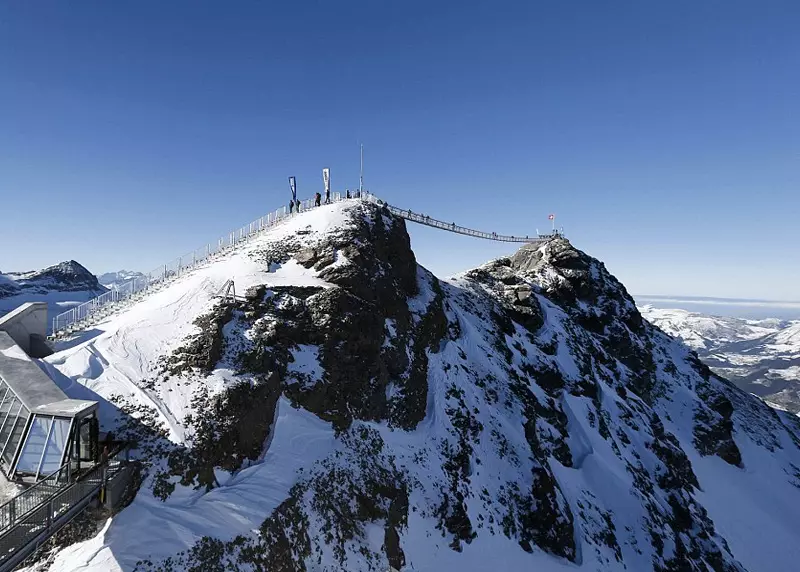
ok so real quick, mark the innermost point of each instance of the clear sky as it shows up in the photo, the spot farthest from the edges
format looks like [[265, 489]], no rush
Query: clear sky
[[664, 135]]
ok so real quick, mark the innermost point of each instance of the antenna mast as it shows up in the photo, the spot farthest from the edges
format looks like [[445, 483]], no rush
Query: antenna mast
[[361, 178]]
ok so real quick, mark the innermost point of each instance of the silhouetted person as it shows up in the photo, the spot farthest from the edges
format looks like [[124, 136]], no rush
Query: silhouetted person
[[317, 199], [297, 205], [347, 194], [291, 207], [327, 197]]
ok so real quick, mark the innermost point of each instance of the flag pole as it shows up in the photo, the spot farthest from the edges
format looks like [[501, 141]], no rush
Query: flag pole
[[361, 177]]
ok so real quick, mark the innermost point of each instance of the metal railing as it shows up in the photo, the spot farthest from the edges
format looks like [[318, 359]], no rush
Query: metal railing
[[79, 316], [30, 498], [37, 513]]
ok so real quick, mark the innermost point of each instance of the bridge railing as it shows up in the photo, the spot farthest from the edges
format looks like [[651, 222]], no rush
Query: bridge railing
[[78, 316], [453, 227]]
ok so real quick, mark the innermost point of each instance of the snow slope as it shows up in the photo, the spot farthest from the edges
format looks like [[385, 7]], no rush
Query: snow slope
[[519, 416]]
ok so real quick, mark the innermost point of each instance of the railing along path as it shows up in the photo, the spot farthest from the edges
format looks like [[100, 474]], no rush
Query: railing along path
[[30, 518], [81, 317]]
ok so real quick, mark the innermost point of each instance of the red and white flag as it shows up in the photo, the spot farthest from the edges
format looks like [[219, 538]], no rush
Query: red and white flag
[[551, 217]]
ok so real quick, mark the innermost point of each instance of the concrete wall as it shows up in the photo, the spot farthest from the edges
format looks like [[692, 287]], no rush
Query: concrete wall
[[28, 320]]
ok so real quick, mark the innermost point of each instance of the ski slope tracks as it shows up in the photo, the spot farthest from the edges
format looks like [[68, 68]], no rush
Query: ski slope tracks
[[351, 411]]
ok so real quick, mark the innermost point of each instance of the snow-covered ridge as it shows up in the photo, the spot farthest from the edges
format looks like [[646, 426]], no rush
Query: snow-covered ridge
[[353, 412]]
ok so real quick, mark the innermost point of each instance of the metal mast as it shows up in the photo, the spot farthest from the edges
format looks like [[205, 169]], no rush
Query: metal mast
[[361, 178]]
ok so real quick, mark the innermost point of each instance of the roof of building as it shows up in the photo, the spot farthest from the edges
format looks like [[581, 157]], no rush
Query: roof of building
[[37, 392]]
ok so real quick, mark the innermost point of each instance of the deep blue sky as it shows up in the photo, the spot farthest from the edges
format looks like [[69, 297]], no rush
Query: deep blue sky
[[664, 135]]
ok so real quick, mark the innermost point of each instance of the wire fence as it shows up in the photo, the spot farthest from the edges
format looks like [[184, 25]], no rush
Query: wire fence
[[78, 317]]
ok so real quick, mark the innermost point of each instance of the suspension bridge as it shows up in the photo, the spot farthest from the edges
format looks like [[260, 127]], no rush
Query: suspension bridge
[[89, 313]]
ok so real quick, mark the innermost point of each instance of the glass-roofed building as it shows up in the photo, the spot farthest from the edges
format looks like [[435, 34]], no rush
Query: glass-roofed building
[[41, 429]]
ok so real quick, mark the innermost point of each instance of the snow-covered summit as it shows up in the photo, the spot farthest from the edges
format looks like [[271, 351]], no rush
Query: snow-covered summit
[[351, 411], [62, 286]]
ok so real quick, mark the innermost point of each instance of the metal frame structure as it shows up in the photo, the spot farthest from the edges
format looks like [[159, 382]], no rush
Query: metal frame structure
[[39, 424], [33, 516]]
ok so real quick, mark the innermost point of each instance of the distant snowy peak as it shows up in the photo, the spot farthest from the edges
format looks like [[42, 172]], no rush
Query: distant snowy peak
[[112, 279], [69, 276], [62, 286]]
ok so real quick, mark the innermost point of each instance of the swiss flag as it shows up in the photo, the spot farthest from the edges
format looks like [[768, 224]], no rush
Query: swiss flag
[[551, 217]]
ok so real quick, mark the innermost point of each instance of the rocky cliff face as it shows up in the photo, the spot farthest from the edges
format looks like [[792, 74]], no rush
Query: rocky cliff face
[[520, 415]]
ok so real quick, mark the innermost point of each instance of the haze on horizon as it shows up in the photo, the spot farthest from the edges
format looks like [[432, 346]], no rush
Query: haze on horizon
[[665, 137]]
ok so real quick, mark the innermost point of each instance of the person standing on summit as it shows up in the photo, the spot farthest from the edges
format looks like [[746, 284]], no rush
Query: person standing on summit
[[317, 199]]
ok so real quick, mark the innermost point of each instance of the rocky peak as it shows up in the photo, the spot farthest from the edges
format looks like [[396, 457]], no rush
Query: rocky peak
[[68, 276], [65, 276], [521, 408]]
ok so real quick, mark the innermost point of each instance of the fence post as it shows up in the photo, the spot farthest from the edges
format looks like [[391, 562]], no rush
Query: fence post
[[165, 272], [49, 513]]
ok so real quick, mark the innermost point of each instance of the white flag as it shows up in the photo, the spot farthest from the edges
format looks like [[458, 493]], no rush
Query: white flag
[[326, 177]]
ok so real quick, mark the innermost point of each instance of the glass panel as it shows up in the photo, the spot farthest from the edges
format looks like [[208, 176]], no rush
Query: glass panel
[[56, 446], [19, 418], [31, 454], [8, 420], [85, 442], [6, 392]]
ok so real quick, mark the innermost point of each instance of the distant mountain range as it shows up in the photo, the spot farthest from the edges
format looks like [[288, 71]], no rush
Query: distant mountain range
[[112, 279], [760, 356]]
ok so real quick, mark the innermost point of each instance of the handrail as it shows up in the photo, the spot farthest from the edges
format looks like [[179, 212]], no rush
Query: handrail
[[453, 227], [10, 507], [66, 321], [25, 530]]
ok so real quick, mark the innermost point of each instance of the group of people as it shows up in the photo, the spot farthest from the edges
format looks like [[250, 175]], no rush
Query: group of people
[[294, 204]]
